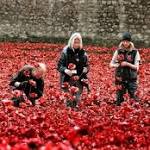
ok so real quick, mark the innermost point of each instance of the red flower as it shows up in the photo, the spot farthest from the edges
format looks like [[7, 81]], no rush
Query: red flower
[[73, 89], [65, 85], [49, 125], [66, 95], [33, 95], [120, 57], [26, 73], [71, 66], [17, 93], [129, 58], [7, 102], [75, 78]]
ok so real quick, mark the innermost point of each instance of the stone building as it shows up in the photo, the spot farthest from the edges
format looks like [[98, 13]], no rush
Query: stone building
[[99, 21]]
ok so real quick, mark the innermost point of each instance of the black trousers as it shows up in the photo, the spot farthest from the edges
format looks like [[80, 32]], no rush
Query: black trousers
[[18, 100], [126, 86], [21, 98]]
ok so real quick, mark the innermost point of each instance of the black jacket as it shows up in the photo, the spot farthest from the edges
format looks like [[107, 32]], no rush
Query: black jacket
[[23, 76], [127, 73], [77, 57]]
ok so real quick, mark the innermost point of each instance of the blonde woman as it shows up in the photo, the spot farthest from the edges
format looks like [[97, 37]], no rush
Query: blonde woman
[[73, 66], [28, 81], [126, 61]]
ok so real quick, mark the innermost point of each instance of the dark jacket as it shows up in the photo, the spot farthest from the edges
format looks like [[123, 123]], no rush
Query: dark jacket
[[77, 57], [23, 76], [127, 73]]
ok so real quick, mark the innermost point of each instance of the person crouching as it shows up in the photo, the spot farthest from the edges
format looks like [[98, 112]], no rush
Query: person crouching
[[28, 82]]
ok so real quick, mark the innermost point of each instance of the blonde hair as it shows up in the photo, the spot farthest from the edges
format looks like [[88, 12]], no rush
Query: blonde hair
[[73, 37], [42, 67], [131, 46]]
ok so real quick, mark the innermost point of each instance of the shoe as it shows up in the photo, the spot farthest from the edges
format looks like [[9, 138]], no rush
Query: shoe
[[68, 103], [136, 99], [33, 102], [74, 104], [76, 108], [16, 101]]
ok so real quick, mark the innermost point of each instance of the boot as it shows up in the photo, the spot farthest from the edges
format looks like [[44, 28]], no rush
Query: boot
[[16, 101]]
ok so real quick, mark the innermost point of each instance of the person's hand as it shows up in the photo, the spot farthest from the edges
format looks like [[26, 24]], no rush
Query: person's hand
[[32, 82], [124, 64], [85, 81], [17, 84], [74, 72], [85, 70], [68, 72], [120, 58]]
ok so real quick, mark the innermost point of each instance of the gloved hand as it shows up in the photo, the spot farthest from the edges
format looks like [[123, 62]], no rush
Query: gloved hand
[[85, 70], [74, 72], [17, 84], [70, 72]]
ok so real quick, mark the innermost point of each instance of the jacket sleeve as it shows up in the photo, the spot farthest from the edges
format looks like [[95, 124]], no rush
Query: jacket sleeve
[[37, 90], [61, 66], [114, 62], [40, 88], [86, 62], [15, 78], [137, 60]]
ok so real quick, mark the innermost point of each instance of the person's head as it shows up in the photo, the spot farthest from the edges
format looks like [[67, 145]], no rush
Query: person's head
[[126, 41], [126, 44], [39, 70], [75, 41]]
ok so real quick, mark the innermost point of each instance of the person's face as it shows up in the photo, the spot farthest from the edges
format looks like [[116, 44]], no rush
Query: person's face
[[126, 43], [76, 43]]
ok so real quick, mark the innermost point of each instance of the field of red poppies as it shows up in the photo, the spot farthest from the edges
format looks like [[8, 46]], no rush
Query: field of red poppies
[[97, 125]]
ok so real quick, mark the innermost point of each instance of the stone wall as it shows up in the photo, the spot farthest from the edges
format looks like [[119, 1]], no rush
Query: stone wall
[[100, 21]]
